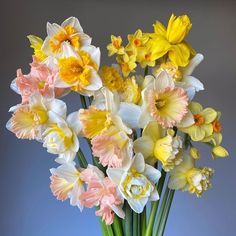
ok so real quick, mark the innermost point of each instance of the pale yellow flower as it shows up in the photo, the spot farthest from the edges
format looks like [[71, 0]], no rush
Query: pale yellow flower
[[115, 47], [127, 63]]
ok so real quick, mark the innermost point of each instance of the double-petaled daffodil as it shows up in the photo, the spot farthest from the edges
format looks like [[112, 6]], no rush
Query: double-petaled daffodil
[[61, 138], [170, 41], [67, 184], [78, 71], [113, 147], [203, 118], [115, 47], [36, 43], [136, 182], [182, 75], [157, 144], [31, 119], [107, 111], [127, 63], [101, 192], [70, 31], [163, 101], [187, 177]]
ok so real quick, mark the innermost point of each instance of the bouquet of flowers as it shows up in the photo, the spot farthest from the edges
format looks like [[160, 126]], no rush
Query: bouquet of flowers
[[141, 127]]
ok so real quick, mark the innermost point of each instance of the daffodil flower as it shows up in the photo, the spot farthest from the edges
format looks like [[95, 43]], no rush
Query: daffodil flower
[[187, 177], [61, 138], [30, 120], [66, 183], [157, 144], [115, 47], [136, 182], [70, 31]]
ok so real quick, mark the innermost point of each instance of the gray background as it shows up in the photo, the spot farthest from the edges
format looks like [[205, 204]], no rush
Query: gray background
[[27, 206]]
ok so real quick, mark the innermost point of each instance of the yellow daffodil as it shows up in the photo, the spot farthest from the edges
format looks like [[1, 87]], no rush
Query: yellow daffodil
[[202, 126], [155, 144], [127, 63], [187, 177], [115, 47], [36, 43], [171, 40], [111, 78], [137, 40], [131, 91]]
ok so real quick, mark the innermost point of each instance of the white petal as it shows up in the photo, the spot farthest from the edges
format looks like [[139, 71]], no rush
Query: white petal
[[130, 114], [85, 39], [163, 81], [74, 196], [154, 195], [95, 81], [152, 174], [118, 211], [14, 87], [187, 120], [74, 22], [57, 106], [138, 163], [194, 62], [194, 82], [144, 145], [53, 29], [94, 53], [115, 174], [67, 50], [138, 204], [74, 122]]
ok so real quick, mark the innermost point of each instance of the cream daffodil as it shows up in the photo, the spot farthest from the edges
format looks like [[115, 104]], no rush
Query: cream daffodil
[[78, 71], [182, 75], [202, 126], [157, 144], [163, 101], [61, 138], [70, 31], [136, 182], [171, 40], [31, 119], [187, 177], [67, 184]]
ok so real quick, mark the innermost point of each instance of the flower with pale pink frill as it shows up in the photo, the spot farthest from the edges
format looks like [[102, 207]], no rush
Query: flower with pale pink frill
[[113, 147], [40, 79], [102, 192], [163, 102]]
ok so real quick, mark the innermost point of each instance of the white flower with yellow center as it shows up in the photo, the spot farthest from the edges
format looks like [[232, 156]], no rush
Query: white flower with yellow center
[[61, 138], [30, 120], [163, 101], [70, 31], [187, 177], [157, 144], [183, 75], [66, 183], [136, 182], [79, 71]]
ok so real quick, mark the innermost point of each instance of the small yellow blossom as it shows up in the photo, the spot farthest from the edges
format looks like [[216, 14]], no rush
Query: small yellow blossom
[[195, 153], [36, 43], [115, 47], [219, 151], [127, 63], [111, 78]]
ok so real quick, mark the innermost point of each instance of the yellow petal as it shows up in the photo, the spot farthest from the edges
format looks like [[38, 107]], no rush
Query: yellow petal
[[195, 107], [219, 151], [159, 28], [153, 130], [209, 115]]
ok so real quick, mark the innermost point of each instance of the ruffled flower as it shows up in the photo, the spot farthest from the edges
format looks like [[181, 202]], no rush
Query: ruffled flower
[[102, 192], [66, 183]]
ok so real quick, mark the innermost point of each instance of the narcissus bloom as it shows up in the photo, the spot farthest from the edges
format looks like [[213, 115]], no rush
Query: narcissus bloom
[[115, 47], [127, 63], [78, 71], [102, 192], [171, 40], [187, 177], [157, 144], [136, 182], [163, 102], [61, 137], [66, 183], [31, 119], [70, 31], [203, 118]]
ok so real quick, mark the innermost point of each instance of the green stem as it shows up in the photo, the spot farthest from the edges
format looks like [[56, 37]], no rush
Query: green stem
[[160, 215], [166, 213], [109, 230], [128, 220], [117, 226], [82, 161], [155, 204], [143, 221], [83, 101], [146, 71], [135, 223], [104, 227]]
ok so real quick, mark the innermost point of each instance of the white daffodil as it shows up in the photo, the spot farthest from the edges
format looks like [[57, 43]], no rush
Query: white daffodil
[[61, 138], [31, 119], [183, 75], [78, 70], [157, 144], [70, 31], [163, 101], [136, 182], [187, 177], [66, 183]]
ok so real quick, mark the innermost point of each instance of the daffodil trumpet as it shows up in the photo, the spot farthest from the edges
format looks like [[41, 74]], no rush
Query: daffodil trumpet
[[143, 131]]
